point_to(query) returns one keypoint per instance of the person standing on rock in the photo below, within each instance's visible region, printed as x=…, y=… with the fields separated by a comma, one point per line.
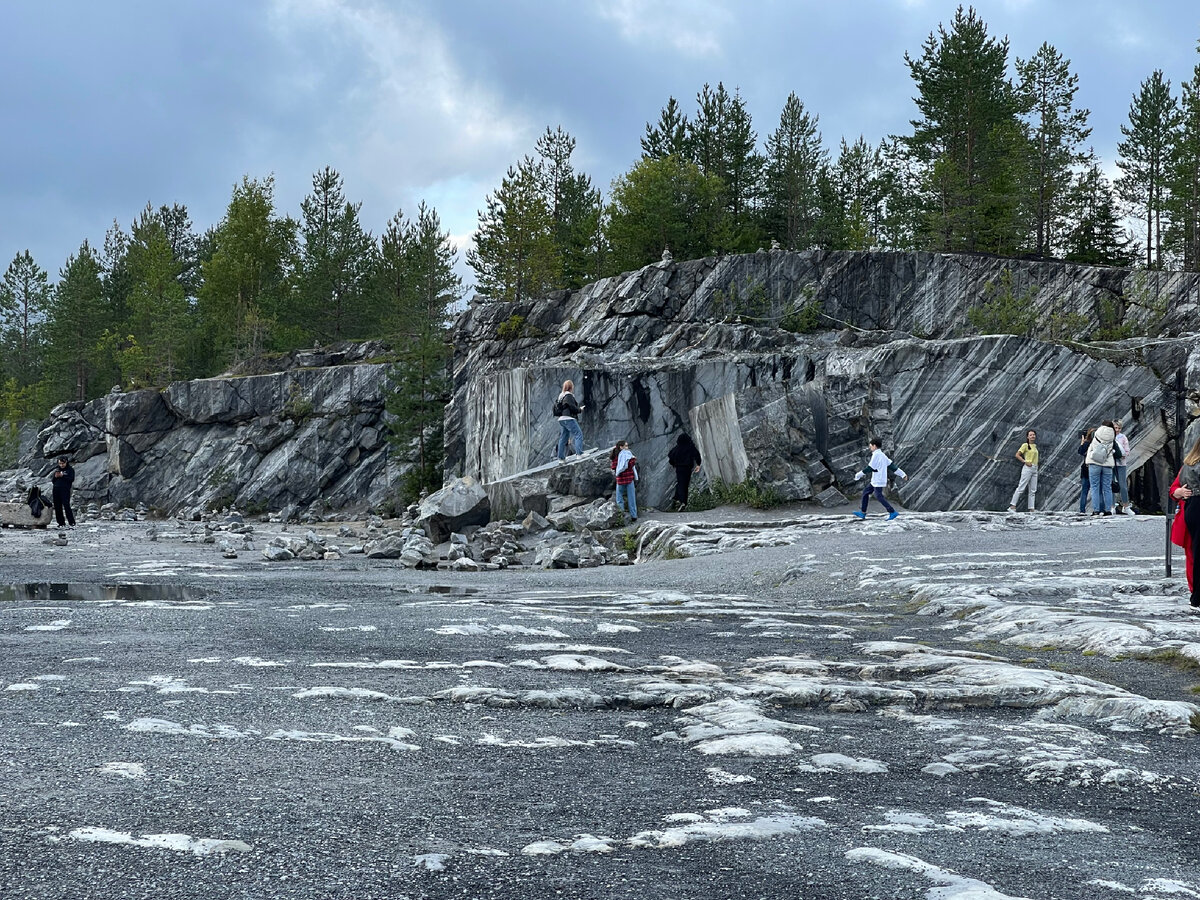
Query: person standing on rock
x=567, y=409
x=685, y=460
x=624, y=466
x=1101, y=456
x=878, y=468
x=1121, y=469
x=1027, y=453
x=64, y=477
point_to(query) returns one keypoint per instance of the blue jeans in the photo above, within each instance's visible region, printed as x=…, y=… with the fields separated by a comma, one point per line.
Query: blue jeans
x=568, y=429
x=1101, y=478
x=627, y=498
x=868, y=491
x=1119, y=474
x=1085, y=491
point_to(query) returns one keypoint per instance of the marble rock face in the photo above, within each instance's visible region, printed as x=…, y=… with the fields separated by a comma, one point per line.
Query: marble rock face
x=698, y=346
x=292, y=439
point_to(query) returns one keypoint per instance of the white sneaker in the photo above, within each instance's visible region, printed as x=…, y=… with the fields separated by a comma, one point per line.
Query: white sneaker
x=1012, y=509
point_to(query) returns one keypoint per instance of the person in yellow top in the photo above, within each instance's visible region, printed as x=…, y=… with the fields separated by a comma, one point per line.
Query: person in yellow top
x=1027, y=453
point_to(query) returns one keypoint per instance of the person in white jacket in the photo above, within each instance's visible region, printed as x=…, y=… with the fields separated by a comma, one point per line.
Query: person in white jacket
x=878, y=469
x=1121, y=470
x=1101, y=456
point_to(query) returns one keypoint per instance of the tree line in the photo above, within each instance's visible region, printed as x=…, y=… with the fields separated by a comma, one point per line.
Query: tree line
x=997, y=161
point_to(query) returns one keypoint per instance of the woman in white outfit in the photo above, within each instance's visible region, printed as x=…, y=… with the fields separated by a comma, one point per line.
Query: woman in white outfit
x=1121, y=470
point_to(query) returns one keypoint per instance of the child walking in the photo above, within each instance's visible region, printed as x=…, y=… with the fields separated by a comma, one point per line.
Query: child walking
x=878, y=468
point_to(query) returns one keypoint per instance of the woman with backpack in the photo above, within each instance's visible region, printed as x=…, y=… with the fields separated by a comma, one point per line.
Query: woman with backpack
x=567, y=410
x=1101, y=456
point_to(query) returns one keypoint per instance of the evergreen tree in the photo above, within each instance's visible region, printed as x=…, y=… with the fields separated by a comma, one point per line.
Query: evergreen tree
x=1095, y=235
x=160, y=322
x=417, y=276
x=1057, y=130
x=863, y=190
x=1144, y=158
x=574, y=208
x=1183, y=195
x=78, y=316
x=722, y=143
x=336, y=264
x=668, y=136
x=246, y=279
x=515, y=256
x=24, y=297
x=662, y=204
x=968, y=140
x=794, y=166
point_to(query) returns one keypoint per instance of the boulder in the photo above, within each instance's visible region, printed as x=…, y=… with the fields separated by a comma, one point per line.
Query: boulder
x=461, y=503
x=17, y=515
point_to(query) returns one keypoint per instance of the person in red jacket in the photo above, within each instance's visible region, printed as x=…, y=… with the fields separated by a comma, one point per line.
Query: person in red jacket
x=1185, y=530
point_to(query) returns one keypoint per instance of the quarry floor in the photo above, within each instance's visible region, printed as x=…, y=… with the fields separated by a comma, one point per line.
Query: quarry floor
x=944, y=706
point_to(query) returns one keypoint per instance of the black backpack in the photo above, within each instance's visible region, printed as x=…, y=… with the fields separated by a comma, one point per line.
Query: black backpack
x=558, y=407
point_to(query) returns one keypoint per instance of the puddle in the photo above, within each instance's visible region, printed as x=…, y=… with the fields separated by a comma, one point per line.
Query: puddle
x=443, y=589
x=97, y=593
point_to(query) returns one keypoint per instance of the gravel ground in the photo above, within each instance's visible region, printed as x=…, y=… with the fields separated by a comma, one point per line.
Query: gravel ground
x=719, y=726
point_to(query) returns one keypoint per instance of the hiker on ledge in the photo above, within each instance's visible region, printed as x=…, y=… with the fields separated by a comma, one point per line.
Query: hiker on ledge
x=567, y=409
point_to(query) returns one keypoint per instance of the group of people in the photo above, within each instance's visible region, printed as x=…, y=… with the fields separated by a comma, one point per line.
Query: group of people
x=1105, y=452
x=684, y=457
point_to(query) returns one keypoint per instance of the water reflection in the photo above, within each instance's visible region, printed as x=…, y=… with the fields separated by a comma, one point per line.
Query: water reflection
x=46, y=592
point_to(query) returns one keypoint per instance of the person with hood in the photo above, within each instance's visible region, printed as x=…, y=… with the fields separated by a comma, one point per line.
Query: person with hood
x=624, y=466
x=685, y=460
x=1101, y=456
x=567, y=409
x=63, y=478
x=1185, y=530
x=879, y=467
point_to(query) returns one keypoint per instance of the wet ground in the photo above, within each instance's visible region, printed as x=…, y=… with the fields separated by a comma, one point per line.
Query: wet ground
x=946, y=707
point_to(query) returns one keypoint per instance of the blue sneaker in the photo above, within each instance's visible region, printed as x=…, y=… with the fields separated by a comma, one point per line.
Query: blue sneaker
x=893, y=515
x=858, y=514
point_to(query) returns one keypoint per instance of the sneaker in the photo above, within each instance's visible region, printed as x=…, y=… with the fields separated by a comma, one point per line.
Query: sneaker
x=858, y=514
x=1012, y=509
x=893, y=515
x=1129, y=511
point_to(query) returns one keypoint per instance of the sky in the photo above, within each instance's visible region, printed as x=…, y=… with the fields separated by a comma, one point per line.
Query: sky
x=110, y=106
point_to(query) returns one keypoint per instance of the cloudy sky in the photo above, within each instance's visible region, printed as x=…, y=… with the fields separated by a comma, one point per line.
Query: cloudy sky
x=113, y=105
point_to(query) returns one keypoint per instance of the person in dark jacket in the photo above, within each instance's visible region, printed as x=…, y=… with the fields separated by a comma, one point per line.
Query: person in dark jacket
x=567, y=410
x=685, y=460
x=64, y=477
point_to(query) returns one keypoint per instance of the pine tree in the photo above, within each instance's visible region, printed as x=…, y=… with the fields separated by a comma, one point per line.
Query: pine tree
x=722, y=142
x=1183, y=195
x=574, y=208
x=336, y=264
x=1095, y=235
x=246, y=279
x=77, y=318
x=1144, y=159
x=24, y=297
x=668, y=136
x=794, y=165
x=160, y=320
x=1057, y=130
x=417, y=276
x=515, y=256
x=968, y=140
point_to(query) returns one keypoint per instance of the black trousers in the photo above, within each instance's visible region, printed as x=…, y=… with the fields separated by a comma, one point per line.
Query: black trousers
x=683, y=480
x=62, y=505
x=1191, y=516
